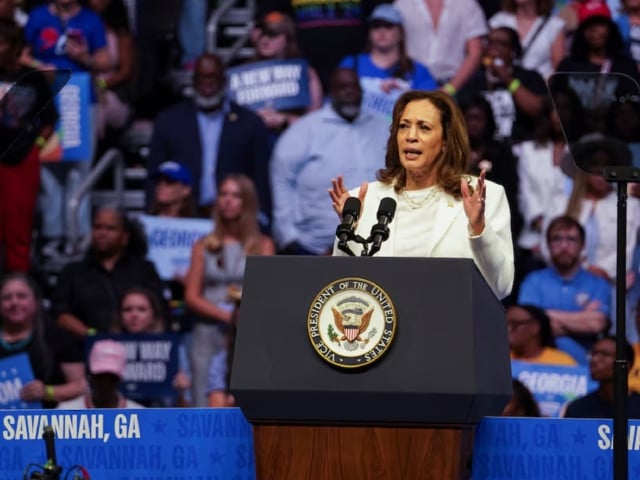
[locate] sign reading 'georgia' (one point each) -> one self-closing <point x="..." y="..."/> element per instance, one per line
<point x="351" y="322"/>
<point x="142" y="444"/>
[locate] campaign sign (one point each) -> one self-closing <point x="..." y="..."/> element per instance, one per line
<point x="152" y="363"/>
<point x="15" y="372"/>
<point x="72" y="139"/>
<point x="134" y="444"/>
<point x="279" y="84"/>
<point x="549" y="449"/>
<point x="170" y="242"/>
<point x="552" y="385"/>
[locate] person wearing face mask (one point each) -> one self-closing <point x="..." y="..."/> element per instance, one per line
<point x="213" y="137"/>
<point x="338" y="139"/>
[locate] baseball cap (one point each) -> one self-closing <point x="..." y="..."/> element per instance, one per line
<point x="107" y="356"/>
<point x="593" y="8"/>
<point x="174" y="171"/>
<point x="386" y="13"/>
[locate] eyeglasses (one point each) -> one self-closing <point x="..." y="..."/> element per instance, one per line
<point x="558" y="239"/>
<point x="381" y="24"/>
<point x="516" y="323"/>
<point x="600" y="353"/>
<point x="271" y="33"/>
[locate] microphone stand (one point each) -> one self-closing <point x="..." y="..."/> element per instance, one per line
<point x="621" y="176"/>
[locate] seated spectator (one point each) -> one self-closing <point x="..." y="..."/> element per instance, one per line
<point x="577" y="301"/>
<point x="115" y="84"/>
<point x="338" y="140"/>
<point x="446" y="36"/>
<point x="58" y="374"/>
<point x="575" y="12"/>
<point x="531" y="339"/>
<point x="385" y="70"/>
<point x="541" y="33"/>
<point x="599" y="403"/>
<point x="141" y="312"/>
<point x="516" y="94"/>
<point x="20" y="148"/>
<point x="87" y="292"/>
<point x="107" y="362"/>
<point x="215" y="275"/>
<point x="212" y="137"/>
<point x="276" y="40"/>
<point x="522" y="403"/>
<point x="173" y="191"/>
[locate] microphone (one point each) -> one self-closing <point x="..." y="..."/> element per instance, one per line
<point x="52" y="469"/>
<point x="380" y="231"/>
<point x="350" y="214"/>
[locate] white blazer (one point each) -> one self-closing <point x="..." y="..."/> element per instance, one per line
<point x="492" y="251"/>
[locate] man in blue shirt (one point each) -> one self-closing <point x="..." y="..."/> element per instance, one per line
<point x="576" y="301"/>
<point x="339" y="139"/>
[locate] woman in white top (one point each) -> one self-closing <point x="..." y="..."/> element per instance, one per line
<point x="441" y="211"/>
<point x="541" y="33"/>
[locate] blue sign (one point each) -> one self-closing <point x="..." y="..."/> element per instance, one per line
<point x="134" y="444"/>
<point x="15" y="373"/>
<point x="72" y="138"/>
<point x="152" y="363"/>
<point x="278" y="84"/>
<point x="552" y="385"/>
<point x="549" y="449"/>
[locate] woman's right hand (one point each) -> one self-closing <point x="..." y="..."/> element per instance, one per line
<point x="339" y="194"/>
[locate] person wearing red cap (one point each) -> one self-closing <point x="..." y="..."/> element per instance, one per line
<point x="107" y="364"/>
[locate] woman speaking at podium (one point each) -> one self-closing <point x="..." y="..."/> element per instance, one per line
<point x="440" y="211"/>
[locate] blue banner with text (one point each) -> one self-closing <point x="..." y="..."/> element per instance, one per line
<point x="140" y="444"/>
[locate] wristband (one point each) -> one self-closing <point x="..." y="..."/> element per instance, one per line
<point x="49" y="392"/>
<point x="450" y="89"/>
<point x="91" y="332"/>
<point x="102" y="83"/>
<point x="514" y="85"/>
<point x="41" y="141"/>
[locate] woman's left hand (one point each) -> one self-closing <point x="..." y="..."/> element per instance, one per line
<point x="474" y="203"/>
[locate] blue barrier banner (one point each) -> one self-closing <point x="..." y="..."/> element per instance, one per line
<point x="152" y="363"/>
<point x="549" y="449"/>
<point x="552" y="385"/>
<point x="279" y="84"/>
<point x="72" y="138"/>
<point x="141" y="444"/>
<point x="15" y="372"/>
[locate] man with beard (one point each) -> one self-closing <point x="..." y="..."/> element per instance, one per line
<point x="576" y="301"/>
<point x="336" y="141"/>
<point x="212" y="137"/>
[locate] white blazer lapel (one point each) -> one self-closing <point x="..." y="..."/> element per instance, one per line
<point x="448" y="210"/>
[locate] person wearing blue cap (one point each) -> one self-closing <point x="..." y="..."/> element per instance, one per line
<point x="384" y="69"/>
<point x="173" y="191"/>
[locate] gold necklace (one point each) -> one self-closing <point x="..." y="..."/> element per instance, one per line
<point x="415" y="204"/>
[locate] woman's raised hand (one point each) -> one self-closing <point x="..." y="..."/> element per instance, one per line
<point x="339" y="194"/>
<point x="474" y="202"/>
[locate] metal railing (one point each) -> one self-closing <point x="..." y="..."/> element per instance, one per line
<point x="213" y="26"/>
<point x="112" y="157"/>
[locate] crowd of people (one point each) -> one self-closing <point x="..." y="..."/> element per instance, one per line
<point x="464" y="112"/>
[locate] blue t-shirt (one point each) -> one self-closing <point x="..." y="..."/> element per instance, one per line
<point x="47" y="35"/>
<point x="371" y="79"/>
<point x="546" y="289"/>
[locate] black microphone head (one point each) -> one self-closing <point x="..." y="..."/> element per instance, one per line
<point x="352" y="207"/>
<point x="387" y="208"/>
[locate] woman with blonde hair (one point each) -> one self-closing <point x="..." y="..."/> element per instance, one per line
<point x="214" y="279"/>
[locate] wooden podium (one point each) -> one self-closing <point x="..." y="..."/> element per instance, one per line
<point x="410" y="414"/>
